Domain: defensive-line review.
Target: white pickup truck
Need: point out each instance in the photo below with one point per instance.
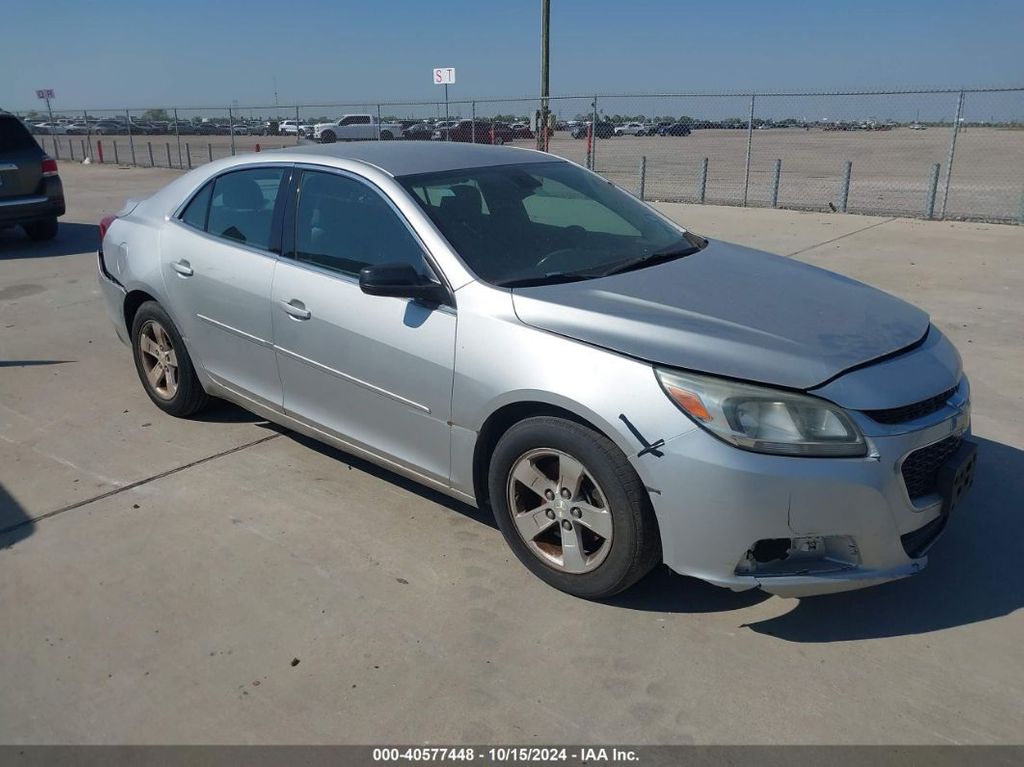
(355, 128)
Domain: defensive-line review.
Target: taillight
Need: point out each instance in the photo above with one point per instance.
(49, 166)
(105, 223)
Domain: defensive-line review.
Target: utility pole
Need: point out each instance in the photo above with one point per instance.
(545, 50)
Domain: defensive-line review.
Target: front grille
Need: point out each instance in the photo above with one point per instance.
(921, 468)
(912, 411)
(917, 542)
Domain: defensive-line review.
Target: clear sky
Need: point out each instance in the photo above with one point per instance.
(205, 52)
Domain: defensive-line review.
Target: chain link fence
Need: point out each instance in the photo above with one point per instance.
(939, 154)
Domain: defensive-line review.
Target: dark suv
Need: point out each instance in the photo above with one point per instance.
(31, 194)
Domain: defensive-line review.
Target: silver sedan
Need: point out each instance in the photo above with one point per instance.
(521, 334)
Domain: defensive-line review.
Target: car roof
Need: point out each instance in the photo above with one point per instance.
(398, 158)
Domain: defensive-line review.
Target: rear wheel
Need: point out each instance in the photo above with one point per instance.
(163, 364)
(42, 230)
(328, 137)
(386, 135)
(572, 508)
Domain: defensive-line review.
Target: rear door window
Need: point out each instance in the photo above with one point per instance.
(14, 137)
(242, 206)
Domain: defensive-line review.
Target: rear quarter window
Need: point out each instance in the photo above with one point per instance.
(14, 136)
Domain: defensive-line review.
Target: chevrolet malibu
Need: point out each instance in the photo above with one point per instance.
(519, 333)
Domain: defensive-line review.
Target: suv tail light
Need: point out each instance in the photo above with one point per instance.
(49, 167)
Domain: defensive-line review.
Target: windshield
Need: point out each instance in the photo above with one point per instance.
(543, 222)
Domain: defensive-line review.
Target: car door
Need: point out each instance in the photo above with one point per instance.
(218, 258)
(376, 371)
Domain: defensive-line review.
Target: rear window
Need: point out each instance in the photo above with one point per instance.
(14, 136)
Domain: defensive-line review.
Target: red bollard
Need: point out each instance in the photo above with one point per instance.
(99, 150)
(257, 147)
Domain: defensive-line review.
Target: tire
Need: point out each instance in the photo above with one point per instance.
(41, 230)
(328, 137)
(386, 135)
(187, 396)
(611, 492)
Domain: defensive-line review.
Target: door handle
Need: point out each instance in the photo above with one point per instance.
(296, 309)
(183, 267)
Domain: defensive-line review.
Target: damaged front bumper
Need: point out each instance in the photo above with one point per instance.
(805, 526)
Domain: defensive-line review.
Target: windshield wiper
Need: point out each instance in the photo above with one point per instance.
(554, 278)
(687, 246)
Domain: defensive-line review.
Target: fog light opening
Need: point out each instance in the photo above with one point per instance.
(807, 555)
(770, 549)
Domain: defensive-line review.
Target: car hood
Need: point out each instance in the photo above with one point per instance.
(731, 311)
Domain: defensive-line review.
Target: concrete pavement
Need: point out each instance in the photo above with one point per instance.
(176, 570)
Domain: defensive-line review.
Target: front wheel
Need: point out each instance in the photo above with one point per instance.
(572, 508)
(328, 137)
(386, 135)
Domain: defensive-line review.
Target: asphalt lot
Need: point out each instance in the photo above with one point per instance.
(167, 574)
(891, 170)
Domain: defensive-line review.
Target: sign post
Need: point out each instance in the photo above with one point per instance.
(445, 76)
(47, 93)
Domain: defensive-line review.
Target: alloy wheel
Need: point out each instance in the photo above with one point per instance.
(159, 360)
(559, 510)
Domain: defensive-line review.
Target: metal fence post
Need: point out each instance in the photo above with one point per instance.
(188, 155)
(776, 177)
(131, 141)
(168, 145)
(231, 127)
(952, 152)
(702, 185)
(593, 138)
(643, 177)
(298, 133)
(177, 136)
(844, 190)
(933, 187)
(472, 113)
(152, 162)
(71, 149)
(378, 122)
(56, 148)
(117, 160)
(85, 152)
(750, 140)
(209, 151)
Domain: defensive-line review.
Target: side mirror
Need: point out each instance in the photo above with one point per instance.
(401, 281)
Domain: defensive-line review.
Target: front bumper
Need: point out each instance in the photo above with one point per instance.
(715, 503)
(46, 203)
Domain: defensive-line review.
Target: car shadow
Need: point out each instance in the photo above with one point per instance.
(15, 524)
(71, 240)
(222, 411)
(973, 574)
(483, 516)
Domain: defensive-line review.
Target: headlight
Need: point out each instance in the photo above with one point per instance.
(762, 419)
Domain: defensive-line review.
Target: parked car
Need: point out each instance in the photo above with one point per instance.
(109, 128)
(603, 130)
(484, 132)
(622, 391)
(629, 129)
(77, 129)
(421, 131)
(31, 193)
(207, 129)
(675, 129)
(50, 128)
(356, 127)
(522, 131)
(181, 128)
